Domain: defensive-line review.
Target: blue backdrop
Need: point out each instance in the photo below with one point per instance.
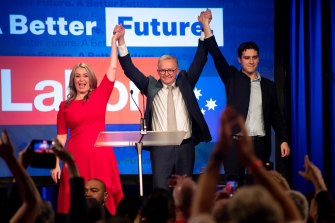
(242, 21)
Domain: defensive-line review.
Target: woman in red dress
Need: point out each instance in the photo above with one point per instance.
(84, 114)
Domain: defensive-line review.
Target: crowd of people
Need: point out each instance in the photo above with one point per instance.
(268, 199)
(90, 188)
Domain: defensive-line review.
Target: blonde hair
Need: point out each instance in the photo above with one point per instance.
(73, 92)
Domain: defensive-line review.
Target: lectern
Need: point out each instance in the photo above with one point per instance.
(135, 138)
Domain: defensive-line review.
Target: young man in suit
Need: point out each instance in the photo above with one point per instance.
(255, 98)
(171, 94)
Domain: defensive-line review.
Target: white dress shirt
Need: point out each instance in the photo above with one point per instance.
(255, 121)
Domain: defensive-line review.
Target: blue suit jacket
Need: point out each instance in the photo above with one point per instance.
(186, 82)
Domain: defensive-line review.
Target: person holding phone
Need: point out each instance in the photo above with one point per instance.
(84, 114)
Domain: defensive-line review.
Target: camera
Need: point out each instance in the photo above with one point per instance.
(43, 156)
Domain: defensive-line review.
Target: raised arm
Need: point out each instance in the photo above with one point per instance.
(31, 199)
(111, 70)
(200, 57)
(78, 207)
(220, 62)
(130, 70)
(205, 18)
(66, 157)
(204, 196)
(261, 175)
(325, 202)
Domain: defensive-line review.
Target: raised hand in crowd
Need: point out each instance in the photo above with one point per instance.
(31, 199)
(256, 168)
(322, 207)
(65, 156)
(205, 195)
(279, 179)
(312, 173)
(25, 156)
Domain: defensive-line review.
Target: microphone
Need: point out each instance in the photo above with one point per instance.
(144, 110)
(143, 124)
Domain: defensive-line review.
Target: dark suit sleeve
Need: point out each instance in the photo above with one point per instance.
(78, 207)
(136, 76)
(277, 121)
(198, 64)
(220, 62)
(326, 207)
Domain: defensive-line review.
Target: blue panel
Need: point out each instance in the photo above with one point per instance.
(298, 100)
(332, 91)
(315, 84)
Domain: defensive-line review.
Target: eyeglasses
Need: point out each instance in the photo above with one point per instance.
(169, 71)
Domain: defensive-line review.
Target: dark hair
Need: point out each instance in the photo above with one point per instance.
(129, 207)
(158, 206)
(95, 211)
(246, 46)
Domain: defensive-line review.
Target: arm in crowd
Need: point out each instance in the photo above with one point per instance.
(203, 198)
(324, 201)
(31, 199)
(78, 206)
(208, 180)
(261, 175)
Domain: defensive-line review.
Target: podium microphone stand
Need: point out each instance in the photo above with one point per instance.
(138, 147)
(138, 139)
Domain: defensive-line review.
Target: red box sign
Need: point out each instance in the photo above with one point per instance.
(33, 87)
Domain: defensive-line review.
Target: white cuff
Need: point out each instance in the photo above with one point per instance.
(123, 51)
(202, 36)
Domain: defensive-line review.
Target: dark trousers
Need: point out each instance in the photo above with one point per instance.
(167, 160)
(233, 167)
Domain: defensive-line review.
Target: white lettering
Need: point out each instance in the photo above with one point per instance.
(123, 99)
(67, 82)
(56, 95)
(6, 94)
(89, 26)
(50, 24)
(18, 24)
(161, 27)
(37, 27)
(76, 28)
(62, 23)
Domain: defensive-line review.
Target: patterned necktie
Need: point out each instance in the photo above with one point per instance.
(171, 114)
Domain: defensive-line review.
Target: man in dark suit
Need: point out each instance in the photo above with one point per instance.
(170, 95)
(255, 98)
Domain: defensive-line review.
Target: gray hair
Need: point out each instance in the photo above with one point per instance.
(254, 204)
(167, 57)
(300, 201)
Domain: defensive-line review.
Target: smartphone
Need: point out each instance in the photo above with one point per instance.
(43, 156)
(41, 146)
(231, 186)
